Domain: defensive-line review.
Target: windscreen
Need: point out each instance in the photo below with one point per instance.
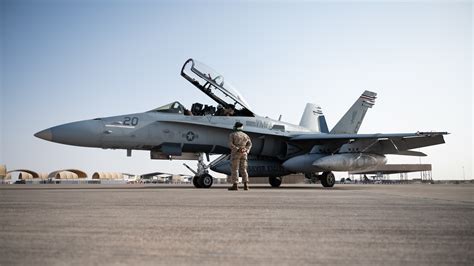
(174, 107)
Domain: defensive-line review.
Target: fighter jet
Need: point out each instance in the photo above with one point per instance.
(174, 132)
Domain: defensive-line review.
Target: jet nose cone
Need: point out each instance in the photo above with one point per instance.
(85, 133)
(45, 134)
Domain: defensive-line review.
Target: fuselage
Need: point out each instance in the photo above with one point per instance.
(157, 131)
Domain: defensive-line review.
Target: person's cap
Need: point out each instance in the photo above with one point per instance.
(238, 125)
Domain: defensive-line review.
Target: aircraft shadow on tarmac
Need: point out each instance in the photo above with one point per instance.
(260, 187)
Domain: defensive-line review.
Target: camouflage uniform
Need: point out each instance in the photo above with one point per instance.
(240, 144)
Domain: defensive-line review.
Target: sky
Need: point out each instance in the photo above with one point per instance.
(64, 61)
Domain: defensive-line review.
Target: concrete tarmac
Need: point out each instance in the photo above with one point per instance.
(296, 224)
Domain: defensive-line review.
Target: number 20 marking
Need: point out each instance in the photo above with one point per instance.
(130, 121)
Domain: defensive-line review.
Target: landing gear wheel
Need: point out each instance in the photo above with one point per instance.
(196, 182)
(202, 178)
(205, 181)
(328, 179)
(275, 181)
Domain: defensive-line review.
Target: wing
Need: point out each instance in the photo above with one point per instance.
(398, 143)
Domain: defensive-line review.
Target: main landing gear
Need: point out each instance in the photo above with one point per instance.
(327, 178)
(202, 178)
(275, 181)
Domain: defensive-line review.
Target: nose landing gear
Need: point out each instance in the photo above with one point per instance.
(202, 178)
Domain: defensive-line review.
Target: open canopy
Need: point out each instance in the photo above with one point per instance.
(213, 84)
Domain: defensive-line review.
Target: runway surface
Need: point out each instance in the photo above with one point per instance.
(298, 224)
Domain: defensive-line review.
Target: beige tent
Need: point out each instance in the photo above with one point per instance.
(3, 170)
(107, 175)
(68, 174)
(43, 176)
(25, 174)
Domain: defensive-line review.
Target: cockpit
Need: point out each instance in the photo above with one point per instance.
(198, 109)
(229, 101)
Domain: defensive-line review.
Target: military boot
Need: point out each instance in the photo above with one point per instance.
(234, 187)
(246, 185)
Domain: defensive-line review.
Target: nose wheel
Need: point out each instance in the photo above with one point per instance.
(203, 181)
(202, 178)
(196, 182)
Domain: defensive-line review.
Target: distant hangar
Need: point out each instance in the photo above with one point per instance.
(394, 169)
(402, 169)
(58, 175)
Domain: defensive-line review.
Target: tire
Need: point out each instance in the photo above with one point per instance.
(205, 181)
(328, 179)
(275, 181)
(196, 182)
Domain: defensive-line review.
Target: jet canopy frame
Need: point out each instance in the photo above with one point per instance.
(213, 85)
(173, 108)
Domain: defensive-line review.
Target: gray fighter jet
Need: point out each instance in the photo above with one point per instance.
(174, 132)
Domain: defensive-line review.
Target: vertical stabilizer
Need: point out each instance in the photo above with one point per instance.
(351, 121)
(313, 119)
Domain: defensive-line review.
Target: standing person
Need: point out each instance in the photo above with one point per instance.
(240, 145)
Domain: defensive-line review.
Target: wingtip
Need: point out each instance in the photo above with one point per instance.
(429, 133)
